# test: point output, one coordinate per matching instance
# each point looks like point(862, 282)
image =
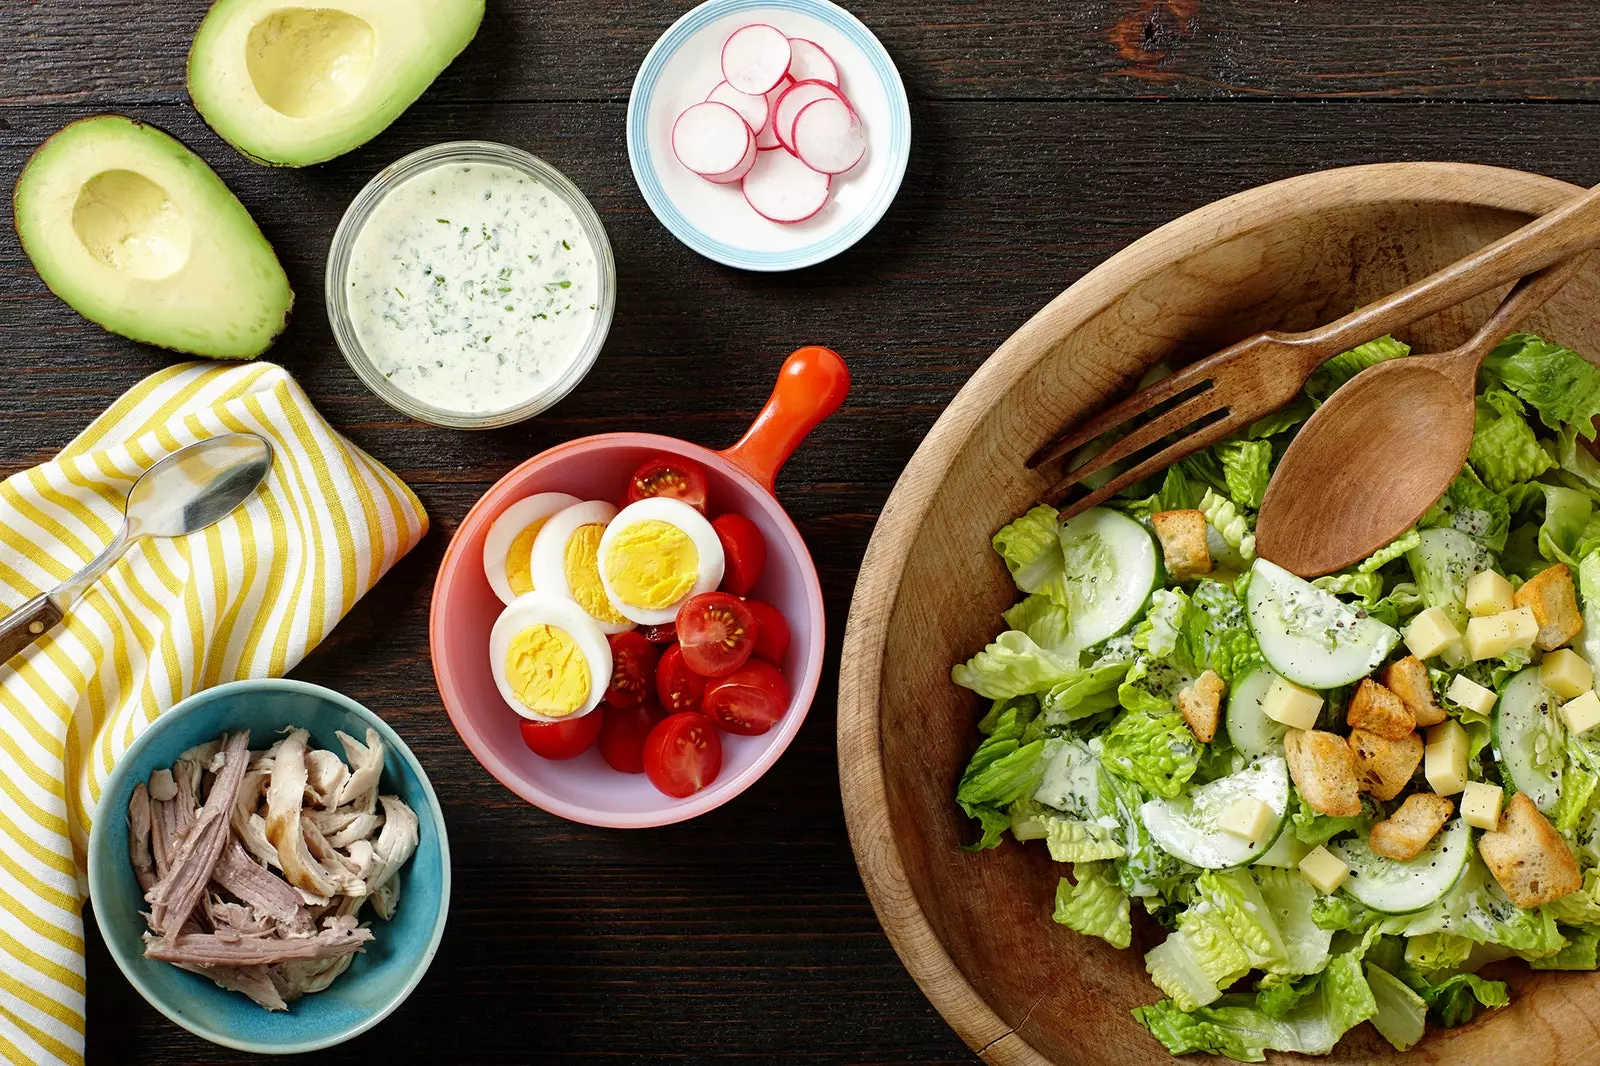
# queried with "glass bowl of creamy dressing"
point(471, 285)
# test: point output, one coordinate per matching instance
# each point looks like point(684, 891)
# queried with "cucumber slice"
point(1187, 827)
point(1443, 563)
point(1310, 636)
point(1253, 733)
point(1527, 739)
point(1112, 568)
point(1392, 887)
point(1286, 852)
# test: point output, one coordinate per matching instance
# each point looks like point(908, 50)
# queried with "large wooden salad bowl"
point(975, 929)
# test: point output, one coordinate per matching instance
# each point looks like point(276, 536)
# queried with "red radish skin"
point(796, 97)
point(809, 61)
point(755, 110)
point(829, 137)
point(755, 58)
point(780, 188)
point(767, 135)
point(712, 139)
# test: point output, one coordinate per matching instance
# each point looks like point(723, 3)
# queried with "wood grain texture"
point(745, 936)
point(975, 929)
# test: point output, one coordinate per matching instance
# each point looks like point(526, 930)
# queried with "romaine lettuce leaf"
point(1289, 898)
point(1162, 626)
point(1145, 871)
point(1031, 548)
point(1046, 623)
point(1246, 469)
point(1430, 953)
point(1457, 999)
point(1012, 666)
point(1001, 771)
point(1314, 828)
point(1236, 900)
point(1224, 516)
point(1327, 378)
point(1560, 384)
point(1155, 749)
point(1175, 494)
point(1085, 692)
point(1367, 587)
point(1095, 906)
point(1217, 633)
point(1401, 1017)
point(1389, 552)
point(1504, 449)
point(1563, 515)
point(1472, 507)
point(1581, 953)
point(1283, 419)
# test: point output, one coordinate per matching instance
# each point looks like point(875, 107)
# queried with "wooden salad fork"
point(1226, 391)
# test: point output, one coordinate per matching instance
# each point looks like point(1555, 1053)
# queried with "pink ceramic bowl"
point(811, 386)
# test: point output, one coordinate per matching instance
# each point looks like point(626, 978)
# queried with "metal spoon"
point(184, 493)
point(1384, 447)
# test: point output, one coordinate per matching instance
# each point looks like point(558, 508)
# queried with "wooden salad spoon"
point(1385, 446)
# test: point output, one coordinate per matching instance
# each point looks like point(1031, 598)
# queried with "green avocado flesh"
point(294, 84)
point(136, 233)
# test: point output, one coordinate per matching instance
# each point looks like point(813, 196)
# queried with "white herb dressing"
point(472, 286)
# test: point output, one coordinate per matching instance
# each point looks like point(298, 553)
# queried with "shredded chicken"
point(257, 863)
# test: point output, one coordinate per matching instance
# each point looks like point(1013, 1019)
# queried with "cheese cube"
point(1488, 593)
point(1292, 705)
point(1430, 633)
point(1583, 713)
point(1465, 692)
point(1246, 818)
point(1444, 760)
point(1325, 870)
point(1480, 805)
point(1566, 674)
point(1522, 625)
point(1488, 637)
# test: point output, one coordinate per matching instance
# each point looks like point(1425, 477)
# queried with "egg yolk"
point(519, 559)
point(581, 563)
point(652, 564)
point(547, 671)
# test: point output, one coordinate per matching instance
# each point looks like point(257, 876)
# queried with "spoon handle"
point(1570, 229)
point(1526, 297)
point(27, 624)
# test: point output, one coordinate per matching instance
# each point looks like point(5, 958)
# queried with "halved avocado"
point(136, 233)
point(298, 83)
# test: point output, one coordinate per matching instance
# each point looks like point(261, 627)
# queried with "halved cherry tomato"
point(633, 669)
point(683, 754)
point(678, 687)
point(665, 633)
point(772, 632)
point(749, 700)
point(622, 733)
point(717, 633)
point(744, 550)
point(670, 476)
point(562, 740)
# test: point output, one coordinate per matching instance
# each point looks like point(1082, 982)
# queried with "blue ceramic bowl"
point(401, 949)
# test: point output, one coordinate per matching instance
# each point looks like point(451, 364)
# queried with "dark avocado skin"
point(16, 227)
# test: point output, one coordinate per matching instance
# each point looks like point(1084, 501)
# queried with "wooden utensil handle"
point(1526, 297)
point(1572, 228)
point(27, 624)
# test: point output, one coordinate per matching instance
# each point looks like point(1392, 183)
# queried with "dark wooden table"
point(1048, 134)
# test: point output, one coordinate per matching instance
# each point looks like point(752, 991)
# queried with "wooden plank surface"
point(745, 935)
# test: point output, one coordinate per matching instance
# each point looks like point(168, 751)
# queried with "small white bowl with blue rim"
point(715, 220)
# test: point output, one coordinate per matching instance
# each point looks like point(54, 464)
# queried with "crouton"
point(1183, 542)
point(1384, 766)
point(1528, 857)
point(1324, 771)
point(1408, 679)
point(1404, 834)
point(1377, 710)
point(1555, 606)
point(1201, 705)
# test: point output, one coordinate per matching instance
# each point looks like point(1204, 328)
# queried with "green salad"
point(1341, 798)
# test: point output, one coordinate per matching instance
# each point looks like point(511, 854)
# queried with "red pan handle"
point(811, 385)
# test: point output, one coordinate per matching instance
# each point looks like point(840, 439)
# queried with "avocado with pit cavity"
point(136, 233)
point(292, 84)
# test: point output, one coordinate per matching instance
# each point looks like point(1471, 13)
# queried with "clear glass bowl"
point(361, 209)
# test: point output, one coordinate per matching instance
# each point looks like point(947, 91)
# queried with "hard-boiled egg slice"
point(565, 561)
point(656, 554)
point(508, 549)
point(549, 658)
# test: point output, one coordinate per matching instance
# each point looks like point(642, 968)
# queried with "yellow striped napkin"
point(247, 598)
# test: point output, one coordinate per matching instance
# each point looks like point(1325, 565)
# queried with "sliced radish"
point(712, 140)
point(790, 103)
point(783, 189)
point(740, 169)
point(810, 62)
point(767, 135)
point(828, 136)
point(755, 58)
point(753, 109)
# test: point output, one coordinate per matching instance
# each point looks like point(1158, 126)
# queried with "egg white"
point(512, 521)
point(680, 515)
point(537, 608)
point(550, 548)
